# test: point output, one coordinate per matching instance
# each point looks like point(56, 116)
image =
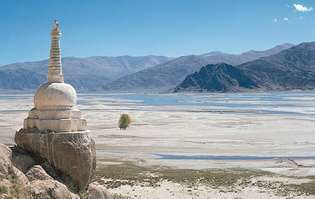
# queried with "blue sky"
point(142, 27)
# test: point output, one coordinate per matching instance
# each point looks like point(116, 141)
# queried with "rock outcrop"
point(73, 154)
point(37, 182)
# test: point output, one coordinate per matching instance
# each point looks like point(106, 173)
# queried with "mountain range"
point(123, 72)
point(167, 75)
point(293, 68)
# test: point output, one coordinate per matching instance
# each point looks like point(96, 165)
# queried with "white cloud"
point(302, 8)
point(275, 20)
point(285, 19)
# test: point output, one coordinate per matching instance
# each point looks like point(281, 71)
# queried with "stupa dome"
point(55, 95)
point(55, 100)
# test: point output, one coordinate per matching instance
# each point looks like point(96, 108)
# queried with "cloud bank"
point(302, 8)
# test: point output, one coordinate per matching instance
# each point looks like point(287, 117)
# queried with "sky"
point(156, 27)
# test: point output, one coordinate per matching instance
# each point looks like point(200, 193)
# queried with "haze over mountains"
point(293, 68)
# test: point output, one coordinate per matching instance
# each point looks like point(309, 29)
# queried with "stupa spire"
point(54, 66)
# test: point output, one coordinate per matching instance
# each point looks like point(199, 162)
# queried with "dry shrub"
point(124, 121)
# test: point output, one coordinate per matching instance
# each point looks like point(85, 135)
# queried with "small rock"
point(5, 162)
point(37, 173)
point(19, 175)
point(21, 159)
point(97, 191)
point(51, 189)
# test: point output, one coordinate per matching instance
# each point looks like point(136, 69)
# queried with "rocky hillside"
point(90, 73)
point(171, 73)
point(219, 77)
point(293, 68)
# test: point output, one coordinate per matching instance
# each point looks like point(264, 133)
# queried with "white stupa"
point(55, 100)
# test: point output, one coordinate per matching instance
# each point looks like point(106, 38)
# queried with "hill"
point(293, 68)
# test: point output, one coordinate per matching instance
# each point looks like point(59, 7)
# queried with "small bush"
point(3, 189)
point(124, 121)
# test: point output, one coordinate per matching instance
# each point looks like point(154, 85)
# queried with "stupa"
point(55, 100)
point(54, 129)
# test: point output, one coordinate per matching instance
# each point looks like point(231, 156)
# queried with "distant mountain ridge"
point(122, 72)
point(171, 73)
point(90, 73)
point(293, 68)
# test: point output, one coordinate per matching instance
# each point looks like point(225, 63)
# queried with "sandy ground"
point(175, 190)
point(184, 130)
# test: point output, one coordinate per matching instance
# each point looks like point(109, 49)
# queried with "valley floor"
point(192, 151)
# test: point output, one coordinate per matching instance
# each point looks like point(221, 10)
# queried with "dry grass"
point(131, 174)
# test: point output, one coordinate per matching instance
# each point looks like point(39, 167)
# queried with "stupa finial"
point(54, 67)
point(55, 29)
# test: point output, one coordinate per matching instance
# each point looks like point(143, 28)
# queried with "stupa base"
point(58, 120)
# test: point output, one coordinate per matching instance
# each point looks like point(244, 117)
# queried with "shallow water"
point(291, 102)
point(241, 125)
point(283, 103)
point(227, 157)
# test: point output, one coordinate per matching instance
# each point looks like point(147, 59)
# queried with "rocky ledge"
point(23, 175)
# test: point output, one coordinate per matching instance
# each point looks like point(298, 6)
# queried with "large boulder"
point(71, 153)
point(36, 183)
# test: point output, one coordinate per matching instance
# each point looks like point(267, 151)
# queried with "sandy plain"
point(186, 138)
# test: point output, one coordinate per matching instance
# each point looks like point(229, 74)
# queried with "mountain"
point(217, 77)
point(293, 68)
point(171, 73)
point(90, 73)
